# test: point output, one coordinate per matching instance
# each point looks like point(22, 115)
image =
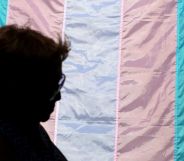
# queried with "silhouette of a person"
point(30, 81)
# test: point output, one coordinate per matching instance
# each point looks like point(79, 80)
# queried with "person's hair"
point(25, 43)
point(27, 59)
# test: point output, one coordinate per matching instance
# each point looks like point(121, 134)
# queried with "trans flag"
point(123, 99)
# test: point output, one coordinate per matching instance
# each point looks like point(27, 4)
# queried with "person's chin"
point(46, 114)
point(44, 119)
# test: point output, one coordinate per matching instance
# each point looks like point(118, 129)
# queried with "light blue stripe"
point(179, 109)
point(86, 126)
point(3, 11)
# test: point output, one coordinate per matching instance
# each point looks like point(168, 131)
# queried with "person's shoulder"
point(55, 151)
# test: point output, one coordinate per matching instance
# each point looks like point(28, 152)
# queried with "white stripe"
point(118, 84)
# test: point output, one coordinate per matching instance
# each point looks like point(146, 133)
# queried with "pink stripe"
point(118, 83)
point(147, 82)
point(45, 16)
point(48, 18)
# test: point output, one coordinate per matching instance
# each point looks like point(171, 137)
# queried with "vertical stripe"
point(147, 92)
point(3, 11)
point(86, 125)
point(179, 109)
point(44, 16)
point(63, 38)
point(48, 18)
point(118, 83)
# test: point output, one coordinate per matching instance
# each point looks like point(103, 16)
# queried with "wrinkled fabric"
point(147, 83)
point(86, 125)
point(179, 109)
point(150, 90)
point(44, 16)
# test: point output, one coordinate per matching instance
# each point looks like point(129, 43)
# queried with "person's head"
point(30, 73)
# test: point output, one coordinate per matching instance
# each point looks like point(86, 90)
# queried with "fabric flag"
point(124, 92)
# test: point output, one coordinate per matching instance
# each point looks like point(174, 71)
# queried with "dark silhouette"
point(30, 81)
